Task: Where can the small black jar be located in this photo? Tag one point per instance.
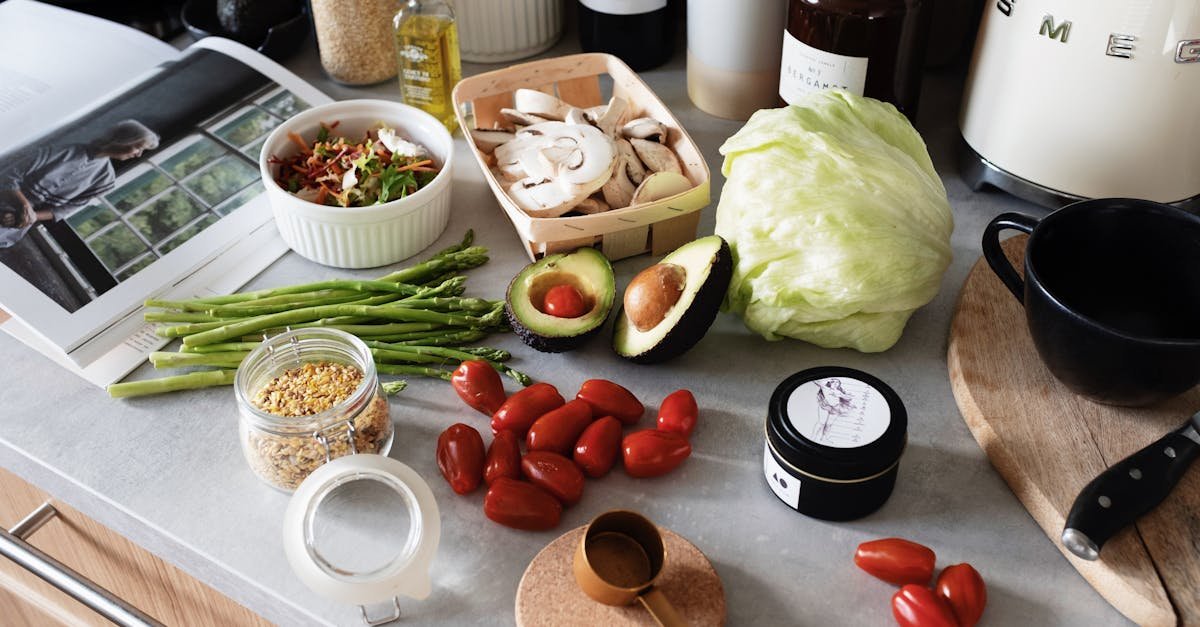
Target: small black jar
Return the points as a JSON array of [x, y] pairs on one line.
[[834, 437]]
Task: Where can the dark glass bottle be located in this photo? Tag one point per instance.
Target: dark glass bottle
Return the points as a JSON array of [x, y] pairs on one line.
[[872, 48], [640, 32]]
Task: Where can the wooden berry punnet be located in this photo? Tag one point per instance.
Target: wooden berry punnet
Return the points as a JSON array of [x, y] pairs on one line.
[[656, 227]]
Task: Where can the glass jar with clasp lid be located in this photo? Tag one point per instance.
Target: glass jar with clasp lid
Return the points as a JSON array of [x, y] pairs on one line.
[[306, 397], [359, 529]]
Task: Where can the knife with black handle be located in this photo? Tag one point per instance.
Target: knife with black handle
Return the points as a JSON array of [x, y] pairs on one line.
[[1129, 489]]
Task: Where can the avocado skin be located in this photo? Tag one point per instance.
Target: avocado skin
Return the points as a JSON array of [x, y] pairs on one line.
[[545, 343], [694, 323]]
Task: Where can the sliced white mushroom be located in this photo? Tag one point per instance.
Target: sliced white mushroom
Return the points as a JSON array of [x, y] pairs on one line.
[[633, 166], [543, 198], [540, 104], [657, 157], [509, 154], [577, 116], [660, 185], [511, 171], [487, 140], [618, 191], [591, 205], [591, 114], [614, 117], [522, 118], [580, 155], [578, 159], [645, 128]]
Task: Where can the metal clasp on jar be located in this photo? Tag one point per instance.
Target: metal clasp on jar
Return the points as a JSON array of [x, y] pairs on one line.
[[351, 434]]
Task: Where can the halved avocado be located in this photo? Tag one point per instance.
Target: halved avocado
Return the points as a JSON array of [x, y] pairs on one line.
[[706, 266], [588, 271]]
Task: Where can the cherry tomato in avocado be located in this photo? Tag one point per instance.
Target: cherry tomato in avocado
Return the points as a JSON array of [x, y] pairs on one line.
[[915, 605], [650, 452], [962, 588], [597, 448], [524, 407], [521, 505], [564, 301], [896, 560], [609, 399], [678, 413], [479, 385], [460, 457], [555, 474], [503, 458]]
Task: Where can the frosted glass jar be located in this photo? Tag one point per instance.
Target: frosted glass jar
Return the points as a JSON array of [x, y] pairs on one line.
[[495, 31], [284, 450]]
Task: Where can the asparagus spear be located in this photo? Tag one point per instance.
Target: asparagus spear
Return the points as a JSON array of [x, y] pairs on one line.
[[421, 371], [258, 323], [391, 388], [189, 381], [417, 271], [162, 359]]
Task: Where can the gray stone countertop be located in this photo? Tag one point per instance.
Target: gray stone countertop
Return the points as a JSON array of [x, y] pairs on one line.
[[167, 471]]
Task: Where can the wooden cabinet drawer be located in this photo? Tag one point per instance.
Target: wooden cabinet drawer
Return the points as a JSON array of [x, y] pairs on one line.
[[107, 558]]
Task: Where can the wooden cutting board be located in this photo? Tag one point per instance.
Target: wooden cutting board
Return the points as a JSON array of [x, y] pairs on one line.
[[1048, 443]]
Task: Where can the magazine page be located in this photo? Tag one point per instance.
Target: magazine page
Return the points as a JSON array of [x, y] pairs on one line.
[[152, 192], [45, 79]]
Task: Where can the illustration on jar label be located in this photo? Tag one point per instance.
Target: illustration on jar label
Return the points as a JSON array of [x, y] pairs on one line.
[[806, 69], [785, 486], [839, 411]]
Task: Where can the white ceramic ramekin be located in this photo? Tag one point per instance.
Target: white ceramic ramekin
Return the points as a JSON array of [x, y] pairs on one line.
[[495, 31], [361, 237]]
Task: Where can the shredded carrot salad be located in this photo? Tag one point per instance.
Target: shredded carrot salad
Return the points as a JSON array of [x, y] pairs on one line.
[[340, 172]]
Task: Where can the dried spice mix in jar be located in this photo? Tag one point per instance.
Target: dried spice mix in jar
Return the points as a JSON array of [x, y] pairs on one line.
[[355, 39], [306, 397]]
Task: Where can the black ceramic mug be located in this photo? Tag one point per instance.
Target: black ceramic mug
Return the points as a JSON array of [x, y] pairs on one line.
[[1111, 295]]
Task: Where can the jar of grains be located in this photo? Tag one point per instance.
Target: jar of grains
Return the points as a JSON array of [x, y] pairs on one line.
[[355, 39], [306, 397]]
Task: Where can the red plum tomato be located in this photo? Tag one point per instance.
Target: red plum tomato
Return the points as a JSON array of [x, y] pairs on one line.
[[460, 457]]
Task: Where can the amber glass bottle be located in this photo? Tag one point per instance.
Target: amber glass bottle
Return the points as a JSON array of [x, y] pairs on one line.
[[872, 48]]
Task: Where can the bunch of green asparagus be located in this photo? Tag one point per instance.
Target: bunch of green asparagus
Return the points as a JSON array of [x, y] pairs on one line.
[[416, 321]]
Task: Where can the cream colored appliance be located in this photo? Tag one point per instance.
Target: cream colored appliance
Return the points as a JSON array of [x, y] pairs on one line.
[[1071, 99]]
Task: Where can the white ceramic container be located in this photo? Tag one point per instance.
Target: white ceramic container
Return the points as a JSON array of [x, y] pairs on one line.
[[495, 31], [361, 237]]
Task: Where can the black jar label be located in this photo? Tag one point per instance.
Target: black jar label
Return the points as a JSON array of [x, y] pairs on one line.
[[839, 412]]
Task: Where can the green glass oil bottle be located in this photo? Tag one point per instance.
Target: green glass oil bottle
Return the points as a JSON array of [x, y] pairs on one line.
[[427, 57]]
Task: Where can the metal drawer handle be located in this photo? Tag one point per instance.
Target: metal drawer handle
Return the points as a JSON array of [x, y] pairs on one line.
[[14, 547]]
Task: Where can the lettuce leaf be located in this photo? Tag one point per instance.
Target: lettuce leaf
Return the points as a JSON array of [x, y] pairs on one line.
[[838, 223]]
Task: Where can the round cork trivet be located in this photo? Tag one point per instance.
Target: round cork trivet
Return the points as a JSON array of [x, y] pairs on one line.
[[548, 595]]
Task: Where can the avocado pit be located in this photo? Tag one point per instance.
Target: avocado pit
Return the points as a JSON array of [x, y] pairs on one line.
[[652, 294]]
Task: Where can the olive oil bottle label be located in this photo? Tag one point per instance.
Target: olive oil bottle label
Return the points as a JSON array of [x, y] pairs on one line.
[[806, 69], [427, 51]]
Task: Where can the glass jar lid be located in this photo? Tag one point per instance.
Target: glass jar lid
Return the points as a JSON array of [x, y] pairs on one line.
[[363, 529]]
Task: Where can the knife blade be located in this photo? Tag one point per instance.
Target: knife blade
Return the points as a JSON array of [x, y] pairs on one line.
[[1129, 489]]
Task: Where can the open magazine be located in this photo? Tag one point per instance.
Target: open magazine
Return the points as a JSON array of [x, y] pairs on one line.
[[128, 170]]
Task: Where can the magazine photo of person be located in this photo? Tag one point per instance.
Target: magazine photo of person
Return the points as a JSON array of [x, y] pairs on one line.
[[53, 182], [128, 173], [97, 200]]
